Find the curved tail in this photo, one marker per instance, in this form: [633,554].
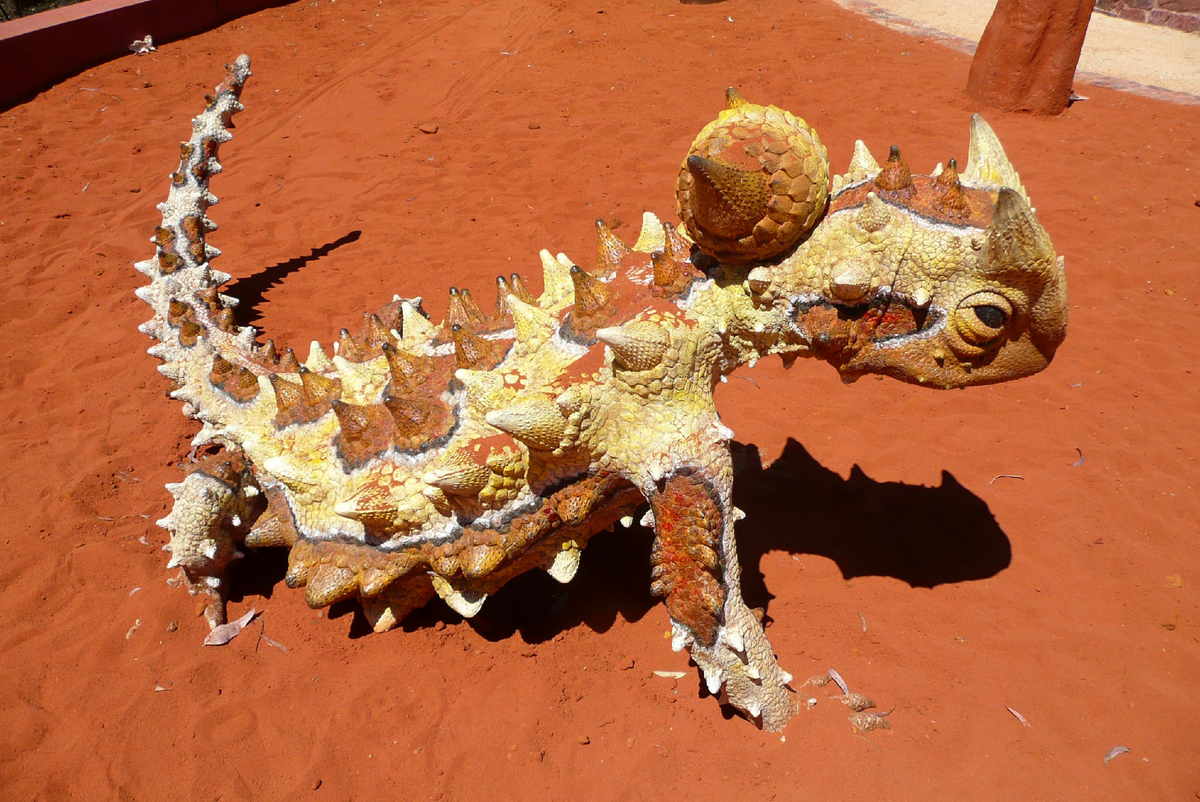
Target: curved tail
[183,287]
[198,339]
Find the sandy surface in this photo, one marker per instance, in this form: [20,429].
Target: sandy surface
[1069,595]
[1115,50]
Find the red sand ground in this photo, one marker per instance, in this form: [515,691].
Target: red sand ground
[1068,595]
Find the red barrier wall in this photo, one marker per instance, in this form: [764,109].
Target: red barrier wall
[40,50]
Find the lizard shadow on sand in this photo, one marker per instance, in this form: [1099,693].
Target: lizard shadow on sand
[250,290]
[925,536]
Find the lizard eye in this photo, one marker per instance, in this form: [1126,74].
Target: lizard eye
[981,318]
[990,316]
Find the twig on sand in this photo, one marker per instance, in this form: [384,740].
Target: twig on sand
[1005,476]
[270,642]
[1116,750]
[1019,717]
[747,379]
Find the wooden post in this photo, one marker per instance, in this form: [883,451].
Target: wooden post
[1026,58]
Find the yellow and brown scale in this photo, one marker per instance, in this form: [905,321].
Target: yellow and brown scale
[427,458]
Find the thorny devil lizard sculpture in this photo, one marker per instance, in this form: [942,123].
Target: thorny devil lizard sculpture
[427,458]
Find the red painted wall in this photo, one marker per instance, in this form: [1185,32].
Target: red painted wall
[40,50]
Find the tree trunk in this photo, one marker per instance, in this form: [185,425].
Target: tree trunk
[1026,58]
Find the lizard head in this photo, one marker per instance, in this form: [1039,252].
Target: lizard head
[944,280]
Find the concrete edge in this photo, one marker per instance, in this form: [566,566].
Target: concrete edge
[44,49]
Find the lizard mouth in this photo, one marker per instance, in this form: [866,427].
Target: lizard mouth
[838,332]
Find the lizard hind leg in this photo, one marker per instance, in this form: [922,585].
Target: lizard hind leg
[695,568]
[214,506]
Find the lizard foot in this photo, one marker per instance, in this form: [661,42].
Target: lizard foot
[213,505]
[695,568]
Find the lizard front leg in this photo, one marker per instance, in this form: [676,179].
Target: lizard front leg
[695,569]
[661,430]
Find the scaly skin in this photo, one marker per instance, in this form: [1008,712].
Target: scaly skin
[443,459]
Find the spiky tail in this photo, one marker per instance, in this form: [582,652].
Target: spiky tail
[182,290]
[197,337]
